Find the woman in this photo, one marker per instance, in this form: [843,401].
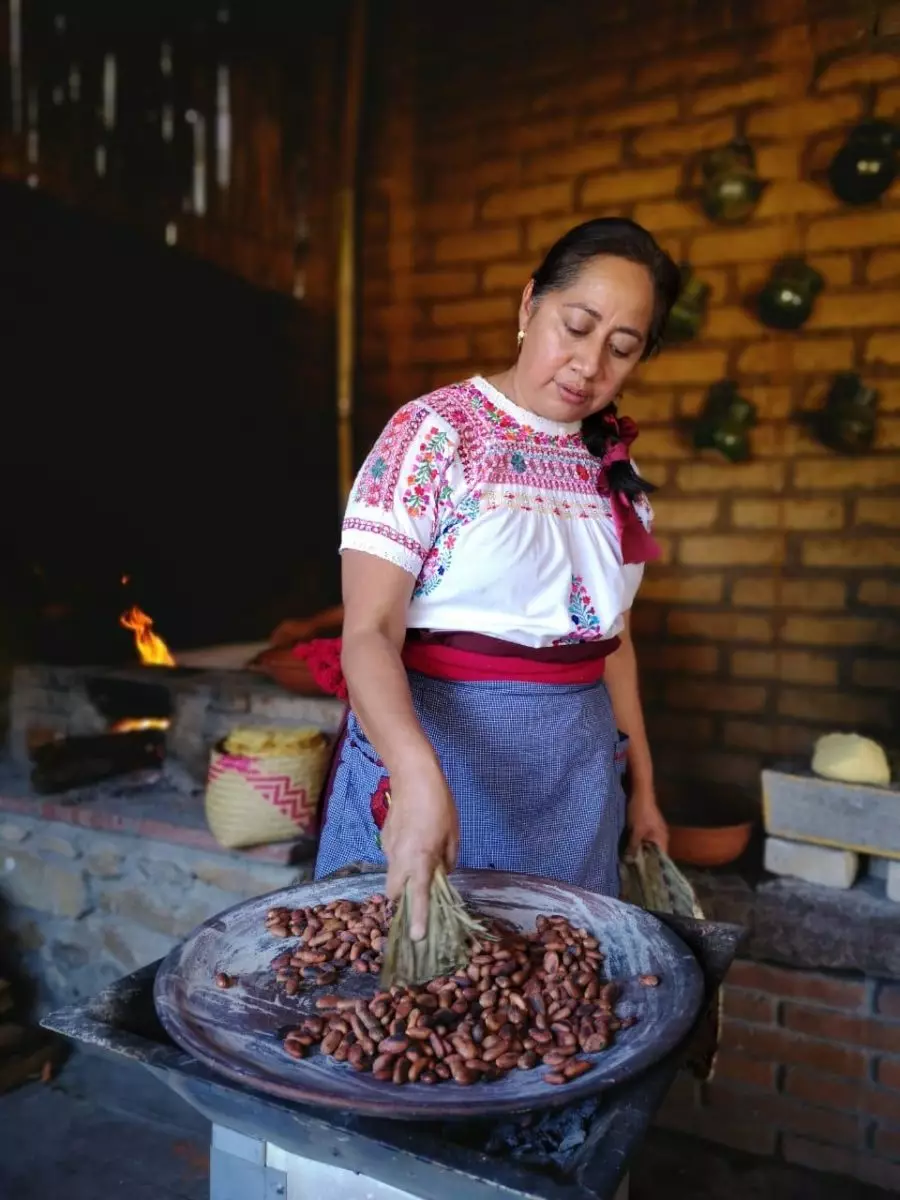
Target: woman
[492,547]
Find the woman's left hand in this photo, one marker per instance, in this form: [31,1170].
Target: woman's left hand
[646,823]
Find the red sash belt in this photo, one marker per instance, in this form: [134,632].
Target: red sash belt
[471,658]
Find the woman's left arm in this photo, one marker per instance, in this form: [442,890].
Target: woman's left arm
[645,821]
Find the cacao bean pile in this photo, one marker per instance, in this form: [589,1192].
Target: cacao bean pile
[524,999]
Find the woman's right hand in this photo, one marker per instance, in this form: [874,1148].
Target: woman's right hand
[420,834]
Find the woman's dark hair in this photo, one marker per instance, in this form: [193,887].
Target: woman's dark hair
[613,237]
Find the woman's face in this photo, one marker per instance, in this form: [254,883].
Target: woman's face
[583,342]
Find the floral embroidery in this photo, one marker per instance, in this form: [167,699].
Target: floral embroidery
[380,806]
[385,531]
[517,461]
[582,615]
[378,479]
[437,563]
[427,466]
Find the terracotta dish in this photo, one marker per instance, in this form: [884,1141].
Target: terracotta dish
[699,846]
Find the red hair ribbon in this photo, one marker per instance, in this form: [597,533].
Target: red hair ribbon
[637,544]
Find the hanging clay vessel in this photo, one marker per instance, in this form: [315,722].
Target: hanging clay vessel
[846,422]
[866,165]
[787,299]
[731,186]
[689,310]
[725,422]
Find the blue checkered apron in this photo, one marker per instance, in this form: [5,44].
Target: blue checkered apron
[535,769]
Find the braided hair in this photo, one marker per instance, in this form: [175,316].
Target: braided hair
[614,237]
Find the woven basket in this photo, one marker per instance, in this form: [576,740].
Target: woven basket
[254,799]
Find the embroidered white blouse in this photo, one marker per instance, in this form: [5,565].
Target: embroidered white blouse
[503,518]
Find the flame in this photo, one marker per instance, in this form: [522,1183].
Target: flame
[139,724]
[152,649]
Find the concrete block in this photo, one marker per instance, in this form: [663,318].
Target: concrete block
[849,816]
[879,867]
[893,882]
[813,864]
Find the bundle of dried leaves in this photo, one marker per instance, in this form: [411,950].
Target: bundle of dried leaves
[445,947]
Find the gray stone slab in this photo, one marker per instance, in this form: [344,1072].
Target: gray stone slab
[850,816]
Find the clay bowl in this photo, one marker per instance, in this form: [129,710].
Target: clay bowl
[709,827]
[716,846]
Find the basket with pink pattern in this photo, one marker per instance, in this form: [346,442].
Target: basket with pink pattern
[264,785]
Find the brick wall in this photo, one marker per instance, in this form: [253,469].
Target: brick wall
[810,1067]
[774,614]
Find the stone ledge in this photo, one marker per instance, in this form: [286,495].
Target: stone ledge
[804,926]
[164,816]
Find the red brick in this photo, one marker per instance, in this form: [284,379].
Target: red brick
[749,1072]
[841,310]
[877,672]
[630,185]
[860,1164]
[780,1045]
[762,477]
[734,550]
[785,199]
[888,103]
[793,740]
[440,285]
[528,201]
[788,356]
[476,245]
[850,230]
[887,1002]
[681,589]
[836,708]
[683,138]
[493,345]
[691,660]
[507,276]
[838,1128]
[676,513]
[745,92]
[569,162]
[730,627]
[795,515]
[835,475]
[879,593]
[480,310]
[648,406]
[672,69]
[803,116]
[739,245]
[542,232]
[442,216]
[790,593]
[889,1072]
[685,366]
[730,322]
[883,347]
[632,116]
[883,266]
[662,216]
[887,1142]
[757,1007]
[716,697]
[780,160]
[839,1027]
[444,348]
[790,666]
[860,68]
[885,512]
[852,552]
[683,728]
[830,990]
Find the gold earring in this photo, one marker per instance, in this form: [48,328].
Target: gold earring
[520,338]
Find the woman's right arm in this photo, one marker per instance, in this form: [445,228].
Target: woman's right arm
[421,831]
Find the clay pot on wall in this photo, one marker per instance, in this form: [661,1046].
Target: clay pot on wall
[866,165]
[787,299]
[689,310]
[731,186]
[846,422]
[725,422]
